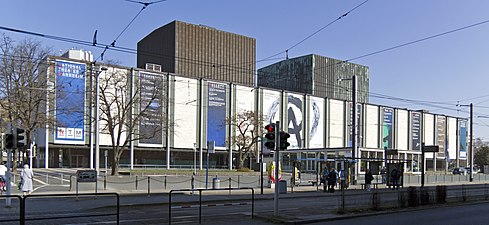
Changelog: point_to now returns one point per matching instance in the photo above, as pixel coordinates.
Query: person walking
(332, 178)
(26, 177)
(368, 179)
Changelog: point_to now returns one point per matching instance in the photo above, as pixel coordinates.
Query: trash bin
(216, 183)
(282, 187)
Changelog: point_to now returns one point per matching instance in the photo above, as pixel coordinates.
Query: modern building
(199, 51)
(197, 109)
(316, 75)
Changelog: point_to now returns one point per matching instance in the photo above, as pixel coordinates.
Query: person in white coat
(26, 176)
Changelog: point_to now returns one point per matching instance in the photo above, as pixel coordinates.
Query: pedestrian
(3, 178)
(395, 179)
(332, 178)
(384, 175)
(324, 179)
(26, 177)
(368, 179)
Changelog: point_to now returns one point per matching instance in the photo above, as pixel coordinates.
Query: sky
(435, 74)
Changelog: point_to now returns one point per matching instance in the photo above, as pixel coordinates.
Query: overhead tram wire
(145, 5)
(316, 32)
(132, 51)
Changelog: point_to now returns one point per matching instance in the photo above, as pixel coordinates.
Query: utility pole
(277, 164)
(471, 142)
(354, 126)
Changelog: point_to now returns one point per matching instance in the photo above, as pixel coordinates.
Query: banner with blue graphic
(463, 139)
(70, 102)
(387, 128)
(216, 114)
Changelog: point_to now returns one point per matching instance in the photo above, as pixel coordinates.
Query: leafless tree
(247, 125)
(23, 92)
(131, 109)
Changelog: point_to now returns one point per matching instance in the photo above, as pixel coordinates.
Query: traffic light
(9, 141)
(19, 137)
(283, 140)
(270, 136)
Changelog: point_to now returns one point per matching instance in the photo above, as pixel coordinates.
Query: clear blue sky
(448, 69)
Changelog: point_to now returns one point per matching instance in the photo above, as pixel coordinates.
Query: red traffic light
(270, 127)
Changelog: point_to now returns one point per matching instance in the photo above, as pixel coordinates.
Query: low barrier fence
(58, 208)
(171, 206)
(411, 197)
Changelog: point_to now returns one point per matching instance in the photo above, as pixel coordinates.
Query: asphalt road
(473, 214)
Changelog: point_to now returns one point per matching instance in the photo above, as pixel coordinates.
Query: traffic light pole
(277, 165)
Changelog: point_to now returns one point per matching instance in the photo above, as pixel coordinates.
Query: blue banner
(463, 139)
(70, 102)
(387, 128)
(216, 114)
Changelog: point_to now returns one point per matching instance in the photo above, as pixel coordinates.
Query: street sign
(211, 146)
(431, 148)
(86, 176)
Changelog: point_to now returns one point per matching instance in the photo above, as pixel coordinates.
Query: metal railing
(200, 199)
(42, 211)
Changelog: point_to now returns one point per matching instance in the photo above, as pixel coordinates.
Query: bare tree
(247, 125)
(22, 89)
(131, 109)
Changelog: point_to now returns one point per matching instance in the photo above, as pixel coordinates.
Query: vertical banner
(216, 114)
(316, 123)
(350, 124)
(441, 129)
(294, 120)
(387, 128)
(150, 125)
(415, 131)
(271, 106)
(463, 139)
(70, 89)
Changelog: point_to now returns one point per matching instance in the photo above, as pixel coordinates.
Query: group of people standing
(329, 179)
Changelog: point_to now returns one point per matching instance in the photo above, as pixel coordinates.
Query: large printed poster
(316, 123)
(415, 131)
(70, 89)
(441, 129)
(151, 92)
(358, 124)
(463, 139)
(216, 114)
(271, 106)
(451, 138)
(294, 121)
(387, 128)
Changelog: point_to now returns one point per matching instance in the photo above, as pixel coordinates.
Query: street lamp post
(354, 147)
(97, 123)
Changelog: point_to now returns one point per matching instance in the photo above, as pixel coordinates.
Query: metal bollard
(136, 182)
(238, 181)
(105, 182)
(149, 187)
(61, 179)
(165, 182)
(229, 185)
